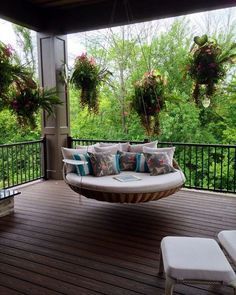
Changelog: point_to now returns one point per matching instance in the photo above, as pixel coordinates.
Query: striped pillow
(85, 169)
(141, 164)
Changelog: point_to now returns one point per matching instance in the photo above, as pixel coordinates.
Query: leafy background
(128, 52)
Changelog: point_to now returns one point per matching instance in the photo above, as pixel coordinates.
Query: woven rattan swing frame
(117, 197)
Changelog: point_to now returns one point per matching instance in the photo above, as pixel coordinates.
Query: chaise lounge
(197, 261)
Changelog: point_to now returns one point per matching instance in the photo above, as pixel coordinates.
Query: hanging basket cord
(130, 17)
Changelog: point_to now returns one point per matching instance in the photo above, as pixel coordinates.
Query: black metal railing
(22, 162)
(206, 166)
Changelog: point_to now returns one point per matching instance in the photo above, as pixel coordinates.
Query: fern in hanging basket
(19, 92)
(6, 67)
(208, 65)
(27, 103)
(149, 100)
(87, 77)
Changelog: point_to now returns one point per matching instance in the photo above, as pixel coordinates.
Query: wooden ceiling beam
(25, 14)
(106, 13)
(72, 16)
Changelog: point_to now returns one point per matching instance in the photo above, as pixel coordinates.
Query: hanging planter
(19, 92)
(87, 77)
(148, 100)
(207, 66)
(6, 68)
(27, 103)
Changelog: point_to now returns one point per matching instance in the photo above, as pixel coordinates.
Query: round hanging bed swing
(109, 189)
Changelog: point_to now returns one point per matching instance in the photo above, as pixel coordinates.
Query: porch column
(52, 54)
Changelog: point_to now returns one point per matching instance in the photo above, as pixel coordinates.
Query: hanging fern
(87, 77)
(149, 100)
(19, 92)
(207, 66)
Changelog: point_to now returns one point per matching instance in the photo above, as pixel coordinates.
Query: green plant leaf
(200, 40)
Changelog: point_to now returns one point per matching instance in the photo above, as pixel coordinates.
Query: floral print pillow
(159, 163)
(104, 164)
(127, 161)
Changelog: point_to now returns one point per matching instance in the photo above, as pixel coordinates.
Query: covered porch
(60, 243)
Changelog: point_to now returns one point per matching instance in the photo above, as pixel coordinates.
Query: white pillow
(169, 150)
(89, 148)
(124, 145)
(108, 149)
(138, 148)
(68, 153)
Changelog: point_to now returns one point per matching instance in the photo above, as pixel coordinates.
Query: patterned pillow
(138, 148)
(169, 150)
(159, 163)
(104, 164)
(85, 169)
(127, 161)
(141, 164)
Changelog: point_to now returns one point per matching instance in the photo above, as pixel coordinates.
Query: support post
(44, 156)
(52, 55)
(69, 142)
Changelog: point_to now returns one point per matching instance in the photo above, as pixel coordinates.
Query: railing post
(44, 141)
(69, 142)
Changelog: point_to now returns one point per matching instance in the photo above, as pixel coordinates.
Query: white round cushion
(147, 184)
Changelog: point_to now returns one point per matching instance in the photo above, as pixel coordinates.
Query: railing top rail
(198, 144)
(21, 143)
(160, 142)
(105, 140)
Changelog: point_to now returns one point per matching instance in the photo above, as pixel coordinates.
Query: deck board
(59, 243)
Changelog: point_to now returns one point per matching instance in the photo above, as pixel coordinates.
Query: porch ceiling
(68, 16)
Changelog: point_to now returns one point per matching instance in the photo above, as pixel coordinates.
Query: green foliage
(106, 124)
(148, 100)
(19, 92)
(87, 77)
(10, 131)
(129, 52)
(7, 68)
(208, 64)
(24, 40)
(128, 55)
(27, 103)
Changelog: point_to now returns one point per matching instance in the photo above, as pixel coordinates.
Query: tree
(129, 53)
(25, 42)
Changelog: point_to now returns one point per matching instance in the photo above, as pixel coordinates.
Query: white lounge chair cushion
(227, 239)
(146, 184)
(188, 258)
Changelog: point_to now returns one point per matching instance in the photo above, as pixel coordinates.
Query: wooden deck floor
(56, 243)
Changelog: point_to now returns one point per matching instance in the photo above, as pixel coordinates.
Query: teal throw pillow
(85, 169)
(141, 164)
